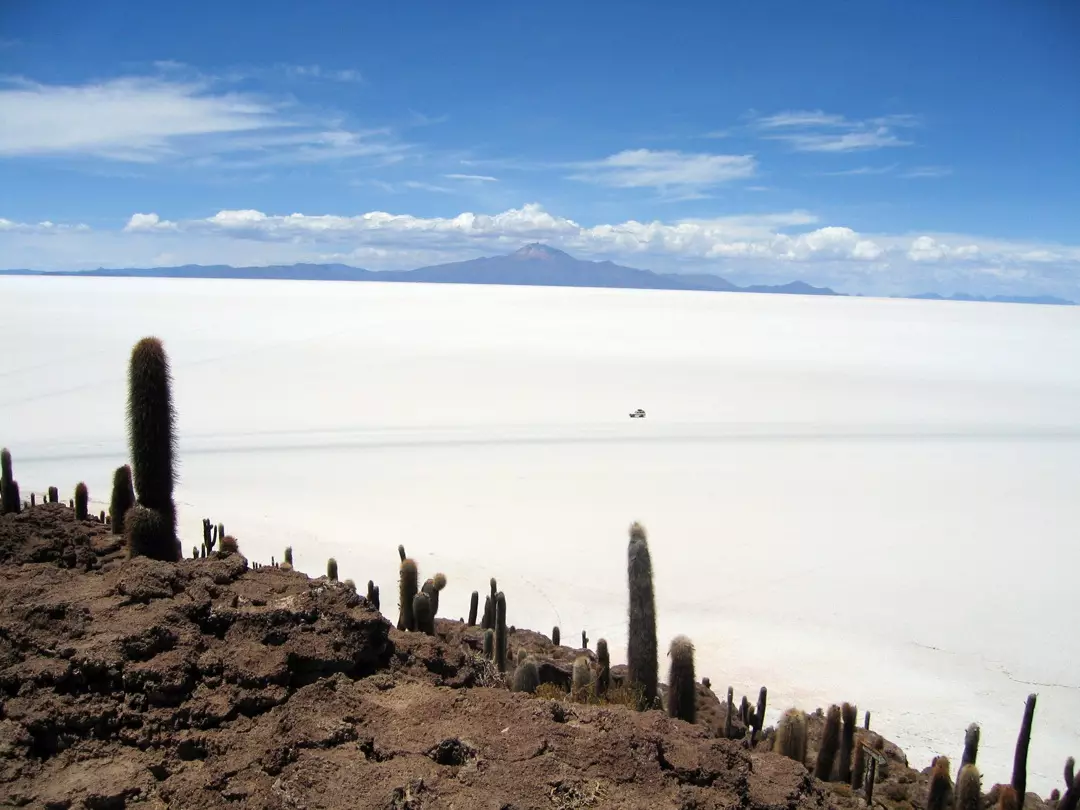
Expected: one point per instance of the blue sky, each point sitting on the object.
(879, 146)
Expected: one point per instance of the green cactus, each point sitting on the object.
(830, 742)
(331, 569)
(940, 794)
(603, 678)
(500, 631)
(375, 597)
(54, 495)
(581, 679)
(152, 438)
(488, 621)
(10, 501)
(641, 644)
(401, 552)
(143, 531)
(489, 644)
(406, 591)
(968, 794)
(82, 501)
(791, 735)
(421, 606)
(474, 601)
(526, 676)
(1019, 776)
(5, 465)
(729, 727)
(1070, 772)
(682, 684)
(555, 636)
(858, 765)
(432, 587)
(759, 714)
(1072, 788)
(288, 555)
(850, 717)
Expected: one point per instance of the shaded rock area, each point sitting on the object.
(130, 683)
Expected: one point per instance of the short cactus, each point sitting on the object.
(522, 654)
(474, 602)
(143, 531)
(406, 591)
(830, 742)
(582, 678)
(641, 645)
(288, 555)
(526, 676)
(375, 599)
(350, 584)
(432, 587)
(194, 552)
(101, 514)
(850, 717)
(152, 438)
(425, 622)
(940, 795)
(555, 636)
(5, 465)
(682, 684)
(489, 644)
(968, 795)
(54, 495)
(603, 677)
(791, 735)
(82, 502)
(331, 570)
(500, 631)
(1019, 776)
(32, 504)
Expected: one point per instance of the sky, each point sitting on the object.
(879, 146)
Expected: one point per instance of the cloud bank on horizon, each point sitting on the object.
(187, 146)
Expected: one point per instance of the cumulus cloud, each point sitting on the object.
(646, 168)
(926, 248)
(818, 131)
(151, 119)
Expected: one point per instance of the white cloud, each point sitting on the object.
(152, 119)
(861, 170)
(318, 72)
(818, 131)
(928, 171)
(148, 222)
(926, 248)
(682, 171)
(476, 178)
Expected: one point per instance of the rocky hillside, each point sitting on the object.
(128, 683)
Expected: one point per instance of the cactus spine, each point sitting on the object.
(641, 644)
(526, 676)
(152, 439)
(603, 678)
(82, 501)
(940, 794)
(500, 631)
(850, 716)
(682, 690)
(830, 742)
(1019, 776)
(474, 602)
(968, 794)
(425, 623)
(331, 569)
(406, 592)
(791, 735)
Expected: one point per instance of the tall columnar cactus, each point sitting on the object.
(1070, 772)
(858, 765)
(143, 531)
(406, 591)
(759, 714)
(9, 494)
(432, 587)
(375, 597)
(1019, 775)
(791, 735)
(830, 742)
(968, 794)
(500, 631)
(526, 676)
(641, 644)
(729, 728)
(54, 495)
(603, 677)
(425, 622)
(82, 501)
(331, 570)
(288, 555)
(971, 745)
(489, 643)
(1071, 799)
(474, 603)
(152, 438)
(584, 640)
(488, 621)
(940, 794)
(581, 679)
(555, 636)
(850, 717)
(682, 685)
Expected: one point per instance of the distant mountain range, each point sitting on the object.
(534, 265)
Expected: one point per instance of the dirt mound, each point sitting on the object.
(205, 684)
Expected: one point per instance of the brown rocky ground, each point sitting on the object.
(205, 684)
